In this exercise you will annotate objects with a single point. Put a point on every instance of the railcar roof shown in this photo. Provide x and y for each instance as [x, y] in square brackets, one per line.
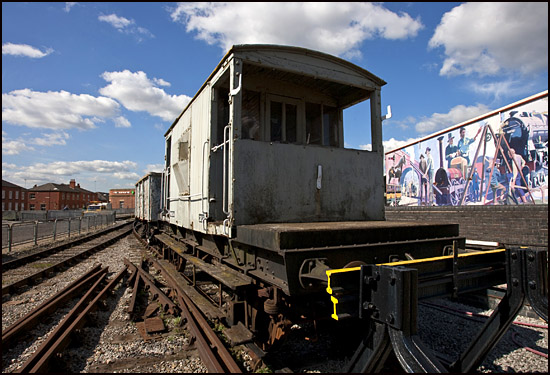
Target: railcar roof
[260, 54]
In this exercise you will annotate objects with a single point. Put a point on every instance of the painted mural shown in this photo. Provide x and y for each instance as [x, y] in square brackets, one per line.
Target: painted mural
[501, 159]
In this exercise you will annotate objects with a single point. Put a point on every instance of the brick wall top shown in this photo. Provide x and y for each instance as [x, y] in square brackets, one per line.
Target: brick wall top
[511, 208]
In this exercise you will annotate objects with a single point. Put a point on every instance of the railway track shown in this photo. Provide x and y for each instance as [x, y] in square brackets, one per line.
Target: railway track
[37, 267]
[114, 342]
[45, 355]
[327, 347]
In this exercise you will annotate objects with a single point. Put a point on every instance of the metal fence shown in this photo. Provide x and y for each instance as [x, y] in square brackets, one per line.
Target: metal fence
[33, 231]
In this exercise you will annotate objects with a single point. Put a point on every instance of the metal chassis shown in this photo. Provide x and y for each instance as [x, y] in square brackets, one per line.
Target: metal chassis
[387, 296]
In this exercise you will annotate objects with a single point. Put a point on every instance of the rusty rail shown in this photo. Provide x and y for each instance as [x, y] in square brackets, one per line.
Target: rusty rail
[25, 323]
[59, 338]
[45, 273]
[141, 274]
[214, 353]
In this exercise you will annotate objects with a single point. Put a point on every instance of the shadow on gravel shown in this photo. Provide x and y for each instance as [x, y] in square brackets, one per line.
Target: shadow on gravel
[450, 333]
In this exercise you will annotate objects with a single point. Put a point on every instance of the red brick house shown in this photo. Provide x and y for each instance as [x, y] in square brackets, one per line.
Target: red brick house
[14, 197]
[122, 198]
[52, 196]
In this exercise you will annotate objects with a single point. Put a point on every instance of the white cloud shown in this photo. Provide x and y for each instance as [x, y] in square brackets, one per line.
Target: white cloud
[456, 115]
[115, 21]
[62, 171]
[122, 122]
[502, 89]
[393, 144]
[51, 139]
[126, 26]
[489, 37]
[24, 50]
[336, 28]
[17, 146]
[13, 147]
[136, 92]
[55, 109]
[153, 168]
[68, 6]
[127, 176]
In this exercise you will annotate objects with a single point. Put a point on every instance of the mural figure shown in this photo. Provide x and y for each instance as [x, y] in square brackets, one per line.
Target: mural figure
[430, 165]
[451, 151]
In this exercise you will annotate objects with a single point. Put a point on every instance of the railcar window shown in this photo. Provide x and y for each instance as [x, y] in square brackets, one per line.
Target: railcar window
[283, 119]
[322, 125]
[223, 112]
[291, 125]
[276, 121]
[314, 128]
[330, 126]
[251, 115]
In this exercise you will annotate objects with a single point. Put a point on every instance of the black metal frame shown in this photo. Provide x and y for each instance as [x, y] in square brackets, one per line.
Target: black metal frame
[388, 297]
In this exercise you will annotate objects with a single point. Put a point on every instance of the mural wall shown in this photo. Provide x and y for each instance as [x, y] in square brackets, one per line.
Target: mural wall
[501, 159]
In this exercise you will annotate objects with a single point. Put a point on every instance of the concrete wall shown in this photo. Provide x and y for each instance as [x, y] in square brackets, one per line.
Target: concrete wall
[525, 224]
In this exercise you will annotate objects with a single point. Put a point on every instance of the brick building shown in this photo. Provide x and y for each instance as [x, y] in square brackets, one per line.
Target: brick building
[14, 197]
[52, 196]
[122, 198]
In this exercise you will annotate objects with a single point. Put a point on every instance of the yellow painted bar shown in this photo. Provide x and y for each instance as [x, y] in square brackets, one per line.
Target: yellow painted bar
[405, 262]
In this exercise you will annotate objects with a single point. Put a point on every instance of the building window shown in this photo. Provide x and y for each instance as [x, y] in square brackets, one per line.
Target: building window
[17, 195]
[31, 207]
[10, 194]
[16, 206]
[3, 194]
[9, 206]
[43, 207]
[63, 196]
[3, 205]
[22, 206]
[121, 204]
[23, 195]
[32, 196]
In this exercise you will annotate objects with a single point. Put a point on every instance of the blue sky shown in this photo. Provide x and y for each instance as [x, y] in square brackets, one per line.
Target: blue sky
[89, 89]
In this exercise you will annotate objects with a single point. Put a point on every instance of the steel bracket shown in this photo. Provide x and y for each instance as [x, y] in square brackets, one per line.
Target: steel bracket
[388, 298]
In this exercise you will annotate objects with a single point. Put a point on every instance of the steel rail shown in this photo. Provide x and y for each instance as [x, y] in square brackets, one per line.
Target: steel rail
[45, 273]
[155, 291]
[18, 262]
[194, 314]
[59, 338]
[25, 323]
[212, 350]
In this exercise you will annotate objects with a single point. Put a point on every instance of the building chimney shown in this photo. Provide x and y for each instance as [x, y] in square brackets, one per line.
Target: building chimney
[77, 185]
[72, 184]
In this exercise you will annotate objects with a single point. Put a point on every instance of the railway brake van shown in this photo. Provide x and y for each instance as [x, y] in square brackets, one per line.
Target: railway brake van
[260, 198]
[257, 181]
[262, 142]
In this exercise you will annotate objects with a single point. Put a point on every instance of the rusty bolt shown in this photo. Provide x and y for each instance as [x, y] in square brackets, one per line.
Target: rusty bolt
[532, 285]
[515, 282]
